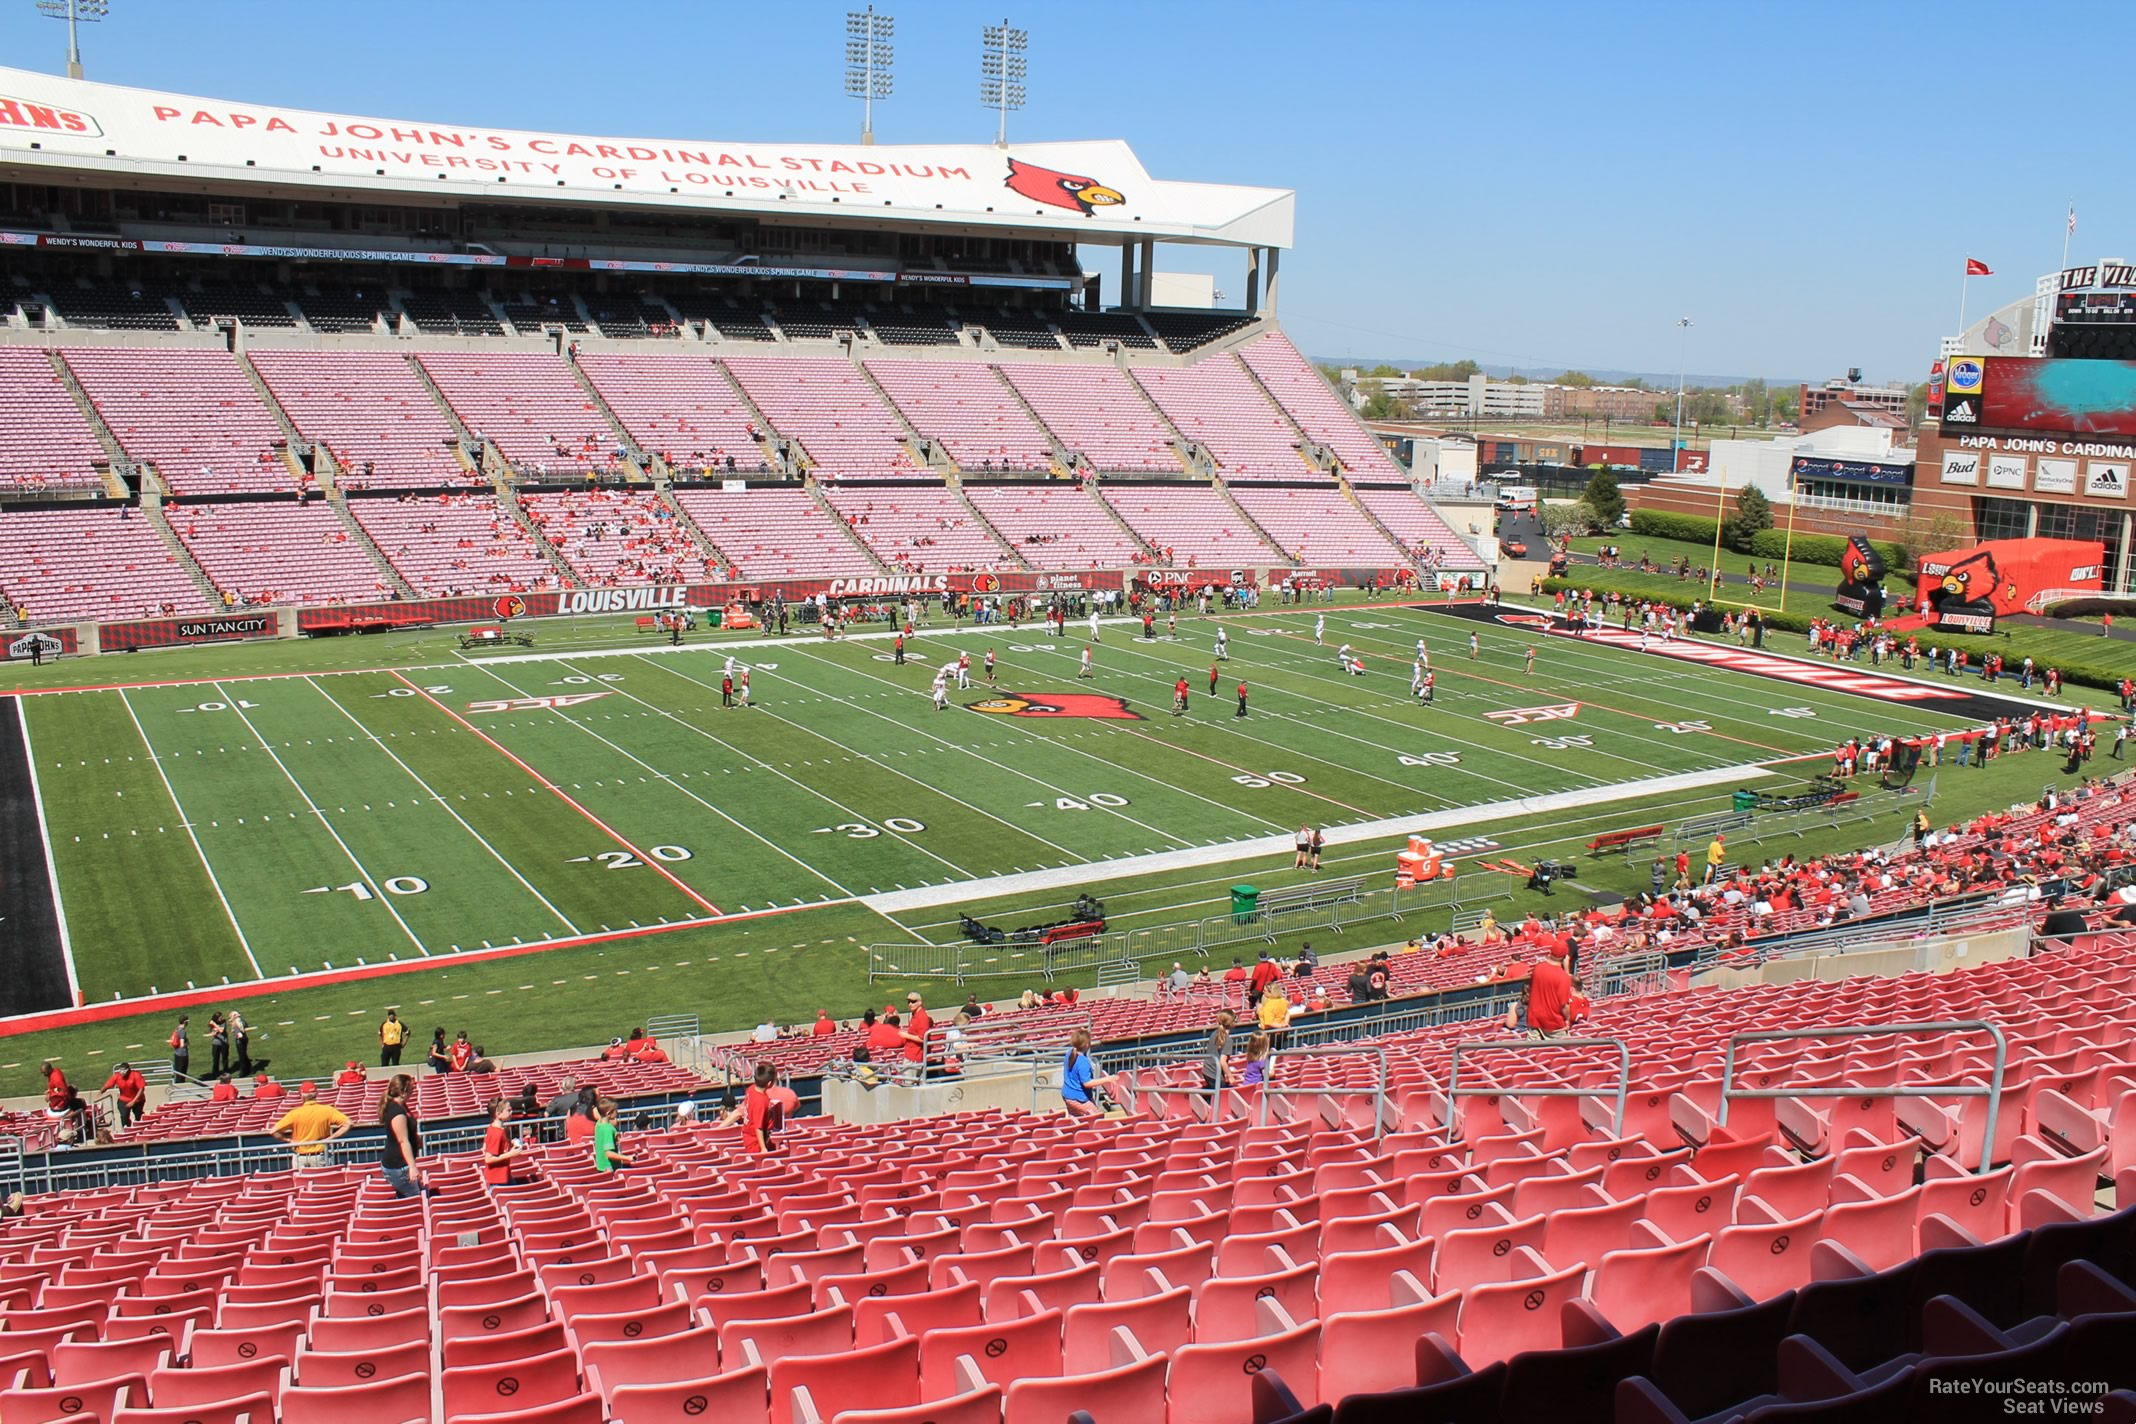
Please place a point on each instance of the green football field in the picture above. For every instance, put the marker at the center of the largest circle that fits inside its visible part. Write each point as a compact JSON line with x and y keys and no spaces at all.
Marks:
{"x":232,"y":829}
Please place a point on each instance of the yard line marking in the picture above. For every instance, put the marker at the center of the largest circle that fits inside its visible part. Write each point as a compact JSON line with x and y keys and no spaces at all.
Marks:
{"x":192,"y":835}
{"x":237,"y":706}
{"x":873,"y":760}
{"x":44,"y":838}
{"x":1064,"y":877}
{"x":561,"y":917}
{"x":676,"y":785}
{"x":1031,"y":739}
{"x":1219,"y":761}
{"x":816,"y":792}
{"x":560,"y":795}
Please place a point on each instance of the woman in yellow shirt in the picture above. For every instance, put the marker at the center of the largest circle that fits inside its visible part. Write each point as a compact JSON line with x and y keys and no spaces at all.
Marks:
{"x":1274,"y":1013}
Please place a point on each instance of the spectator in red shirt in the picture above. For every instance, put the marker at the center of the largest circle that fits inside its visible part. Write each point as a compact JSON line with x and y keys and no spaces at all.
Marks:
{"x":462,"y":1053}
{"x":886,"y":1041}
{"x":578,"y":1126}
{"x":57,"y":1090}
{"x":352,"y":1076}
{"x":759,"y":1113}
{"x":917,"y":1023}
{"x":1265,"y":973}
{"x":225,"y":1090}
{"x":1550,"y":991}
{"x":825,"y":1027}
{"x":132,"y":1091}
{"x":266,"y":1087}
{"x":499,"y":1151}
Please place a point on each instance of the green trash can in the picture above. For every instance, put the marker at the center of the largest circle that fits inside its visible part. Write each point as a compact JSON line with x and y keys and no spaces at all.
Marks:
{"x":1245,"y":903}
{"x":1745,"y":801}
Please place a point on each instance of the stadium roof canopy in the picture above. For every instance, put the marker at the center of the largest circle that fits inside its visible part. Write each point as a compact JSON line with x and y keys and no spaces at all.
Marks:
{"x":1097,"y":192}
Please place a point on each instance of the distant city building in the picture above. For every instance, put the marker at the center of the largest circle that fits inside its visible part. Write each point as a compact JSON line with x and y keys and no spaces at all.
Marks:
{"x":1478,"y":396}
{"x":1613,"y":402}
{"x":1817,"y":399}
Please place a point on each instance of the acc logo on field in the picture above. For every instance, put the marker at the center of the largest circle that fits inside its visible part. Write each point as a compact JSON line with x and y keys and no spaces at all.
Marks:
{"x":1521,"y":716}
{"x":1965,"y":374}
{"x":510,"y":606}
{"x":1058,"y":704}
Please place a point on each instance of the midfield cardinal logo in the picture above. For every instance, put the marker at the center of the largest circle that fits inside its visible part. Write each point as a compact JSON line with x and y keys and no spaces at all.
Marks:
{"x":1063,"y":190}
{"x":1057,"y":704}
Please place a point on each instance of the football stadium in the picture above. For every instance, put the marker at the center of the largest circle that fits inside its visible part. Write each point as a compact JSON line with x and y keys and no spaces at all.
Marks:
{"x":665,"y":779}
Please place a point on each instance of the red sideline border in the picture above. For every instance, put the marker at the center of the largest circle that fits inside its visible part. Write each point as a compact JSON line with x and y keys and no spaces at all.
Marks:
{"x":320,"y":978}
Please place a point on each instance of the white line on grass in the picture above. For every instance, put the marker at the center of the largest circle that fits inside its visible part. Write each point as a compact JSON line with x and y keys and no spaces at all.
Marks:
{"x":187,"y":821}
{"x":44,"y":838}
{"x":237,"y":706}
{"x":670,"y":781}
{"x":512,"y":870}
{"x":722,"y":743}
{"x":1034,"y":740}
{"x":879,"y":762}
{"x":1062,"y":877}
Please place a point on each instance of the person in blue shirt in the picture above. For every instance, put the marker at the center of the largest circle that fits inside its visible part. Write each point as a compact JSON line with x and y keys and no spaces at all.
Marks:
{"x":1079,"y":1076}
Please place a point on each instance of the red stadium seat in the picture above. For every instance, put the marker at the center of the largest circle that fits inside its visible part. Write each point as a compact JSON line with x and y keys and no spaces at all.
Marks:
{"x":515,"y":1385}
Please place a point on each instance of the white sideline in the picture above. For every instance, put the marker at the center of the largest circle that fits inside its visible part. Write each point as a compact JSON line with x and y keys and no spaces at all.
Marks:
{"x":929,"y":897}
{"x":44,"y":836}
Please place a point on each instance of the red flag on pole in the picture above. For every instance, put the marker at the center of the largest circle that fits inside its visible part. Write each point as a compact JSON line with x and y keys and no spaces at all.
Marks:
{"x":1974,"y":267}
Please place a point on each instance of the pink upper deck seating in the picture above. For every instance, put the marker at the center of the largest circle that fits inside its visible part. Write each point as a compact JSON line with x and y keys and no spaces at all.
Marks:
{"x":829,"y":407}
{"x":69,"y":564}
{"x":1319,"y":526}
{"x":683,"y":407}
{"x":1320,"y":412}
{"x":278,"y":552}
{"x":1418,"y":525}
{"x":612,"y":536}
{"x":45,"y":444}
{"x":1215,"y":403}
{"x":454,"y":544}
{"x":1098,"y":411}
{"x":371,"y":410}
{"x":528,"y":404}
{"x":775,"y":533}
{"x":192,"y":414}
{"x":919,"y":530}
{"x":1055,"y":526}
{"x":1194,"y":523}
{"x":969,"y":411}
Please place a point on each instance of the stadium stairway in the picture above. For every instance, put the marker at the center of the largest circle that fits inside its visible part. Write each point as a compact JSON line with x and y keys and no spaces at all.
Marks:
{"x":1231,"y":501}
{"x":1091,"y":487}
{"x":1342,"y":482}
{"x":696,"y":531}
{"x":1016,"y":560}
{"x":769,"y":436}
{"x":361,"y":538}
{"x":830,"y":511}
{"x":928,"y":454}
{"x":567,"y":576}
{"x":153,"y":511}
{"x":644,"y":465}
{"x":273,"y":404}
{"x":1062,"y":456}
{"x":113,"y":451}
{"x":493,"y":466}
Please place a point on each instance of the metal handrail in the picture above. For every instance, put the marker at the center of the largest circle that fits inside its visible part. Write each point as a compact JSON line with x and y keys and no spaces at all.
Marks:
{"x":1378,"y":1091}
{"x":1992,"y":1092}
{"x":1501,"y":1045}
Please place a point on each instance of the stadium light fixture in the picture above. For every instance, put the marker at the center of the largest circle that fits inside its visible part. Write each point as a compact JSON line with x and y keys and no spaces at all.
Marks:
{"x":1002,"y":72}
{"x":1683,"y":362}
{"x":74,"y":12}
{"x":868,"y":55}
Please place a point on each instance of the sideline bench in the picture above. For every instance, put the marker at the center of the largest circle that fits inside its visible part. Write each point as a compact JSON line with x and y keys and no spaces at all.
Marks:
{"x":1703,"y":828}
{"x":1627,"y":840}
{"x":494,"y":637}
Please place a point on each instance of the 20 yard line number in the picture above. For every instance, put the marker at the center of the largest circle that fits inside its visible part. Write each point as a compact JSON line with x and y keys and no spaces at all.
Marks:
{"x":624,"y":860}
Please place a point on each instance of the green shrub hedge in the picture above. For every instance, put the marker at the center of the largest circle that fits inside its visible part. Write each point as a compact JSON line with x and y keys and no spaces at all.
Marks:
{"x":1658,"y":524}
{"x":1829,"y":549}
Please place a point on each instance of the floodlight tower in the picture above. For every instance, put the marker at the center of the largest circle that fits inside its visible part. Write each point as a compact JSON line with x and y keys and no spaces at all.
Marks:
{"x":868,"y":57}
{"x":74,"y":12}
{"x":1001,"y":73}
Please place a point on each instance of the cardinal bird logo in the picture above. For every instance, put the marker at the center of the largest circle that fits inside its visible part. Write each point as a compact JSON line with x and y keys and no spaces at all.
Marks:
{"x":510,"y":606}
{"x":1058,"y":704}
{"x":986,"y":583}
{"x":1063,"y":190}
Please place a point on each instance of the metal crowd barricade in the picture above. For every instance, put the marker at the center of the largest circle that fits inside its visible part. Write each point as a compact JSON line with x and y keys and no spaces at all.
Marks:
{"x":1272,"y":1087}
{"x":1535,"y":1045}
{"x":1992,"y":1092}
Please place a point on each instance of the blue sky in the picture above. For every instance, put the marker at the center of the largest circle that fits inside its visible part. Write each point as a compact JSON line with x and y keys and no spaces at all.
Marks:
{"x":1531,"y":183}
